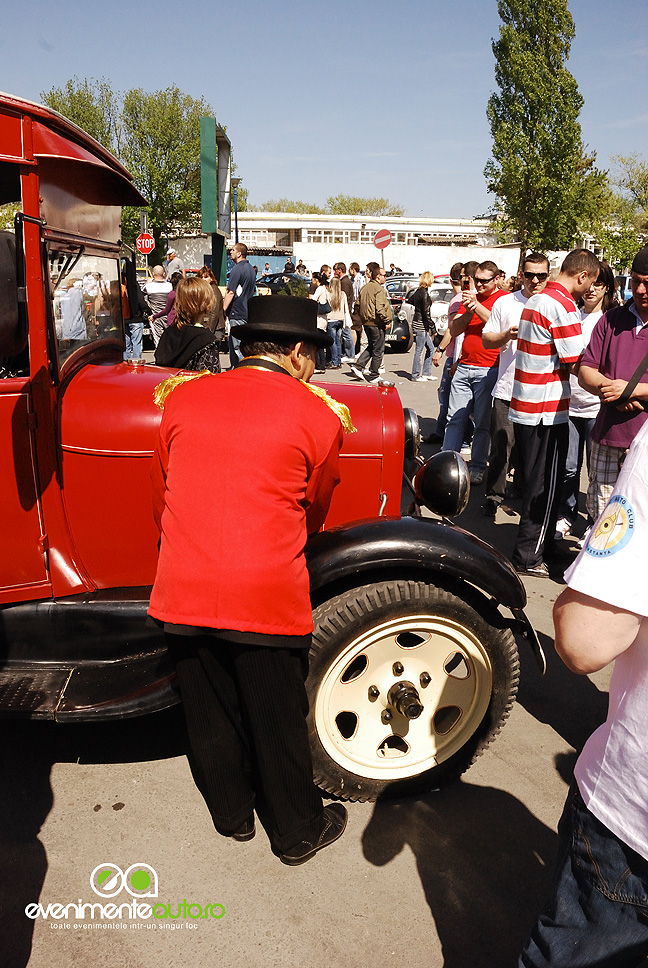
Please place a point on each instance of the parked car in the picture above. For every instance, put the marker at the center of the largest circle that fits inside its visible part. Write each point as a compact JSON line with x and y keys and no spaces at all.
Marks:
{"x":144,"y":275}
{"x":414,"y":664}
{"x":398,"y":286}
{"x":278,"y":281}
{"x":441,"y":296}
{"x":623,"y":287}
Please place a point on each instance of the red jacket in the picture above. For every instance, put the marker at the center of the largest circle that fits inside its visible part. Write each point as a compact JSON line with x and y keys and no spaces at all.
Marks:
{"x":245,"y":467}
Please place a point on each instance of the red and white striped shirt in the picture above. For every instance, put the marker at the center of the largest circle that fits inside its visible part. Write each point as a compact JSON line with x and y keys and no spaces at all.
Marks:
{"x":549,"y":339}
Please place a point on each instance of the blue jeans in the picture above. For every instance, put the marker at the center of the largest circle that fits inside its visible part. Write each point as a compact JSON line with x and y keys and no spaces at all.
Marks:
{"x":471,"y":384}
{"x":334,"y":330}
{"x":423,"y":342}
{"x":580,"y":444}
{"x":134,"y":333}
{"x":235,"y":354}
{"x":348,"y":343}
{"x":598,"y":914}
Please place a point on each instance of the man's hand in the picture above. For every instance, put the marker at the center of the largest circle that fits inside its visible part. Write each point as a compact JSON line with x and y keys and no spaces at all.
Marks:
{"x":469,"y":299}
{"x":436,"y":357}
{"x":611,"y":390}
{"x":631,"y":405}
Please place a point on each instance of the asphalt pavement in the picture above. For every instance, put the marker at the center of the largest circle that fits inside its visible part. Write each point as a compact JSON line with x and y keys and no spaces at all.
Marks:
{"x":452,"y":878}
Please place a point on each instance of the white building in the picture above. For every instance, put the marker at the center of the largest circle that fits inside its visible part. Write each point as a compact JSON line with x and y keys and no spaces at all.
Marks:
{"x":417,"y":243}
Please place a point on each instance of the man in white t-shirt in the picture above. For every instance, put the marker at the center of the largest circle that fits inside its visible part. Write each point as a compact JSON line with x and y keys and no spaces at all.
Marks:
{"x":501,"y":331}
{"x":598,"y":914}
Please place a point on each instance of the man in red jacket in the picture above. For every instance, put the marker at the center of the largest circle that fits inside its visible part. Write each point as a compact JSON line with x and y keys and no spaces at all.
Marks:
{"x":245,"y":467}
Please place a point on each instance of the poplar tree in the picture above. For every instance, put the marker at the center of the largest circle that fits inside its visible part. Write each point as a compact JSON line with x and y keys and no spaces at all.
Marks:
{"x":548,"y":189}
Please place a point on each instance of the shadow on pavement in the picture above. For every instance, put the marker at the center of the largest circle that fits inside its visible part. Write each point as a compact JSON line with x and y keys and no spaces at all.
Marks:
{"x":27,"y":753}
{"x":572,"y":705}
{"x":25,"y":800}
{"x":485,"y":865}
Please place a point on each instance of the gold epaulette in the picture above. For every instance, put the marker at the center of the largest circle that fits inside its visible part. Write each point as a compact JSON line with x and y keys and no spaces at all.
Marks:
{"x":338,"y":408}
{"x":163,"y":389}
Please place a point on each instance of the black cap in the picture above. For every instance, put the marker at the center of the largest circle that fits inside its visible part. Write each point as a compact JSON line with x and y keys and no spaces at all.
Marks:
{"x":640,"y":262}
{"x":280,"y":318}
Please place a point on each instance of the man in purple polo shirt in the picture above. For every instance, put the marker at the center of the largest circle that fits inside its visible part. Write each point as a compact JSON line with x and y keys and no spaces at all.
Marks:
{"x":618,"y":345}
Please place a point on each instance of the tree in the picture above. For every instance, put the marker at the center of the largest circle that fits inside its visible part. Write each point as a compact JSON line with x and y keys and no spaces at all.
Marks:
{"x":539,"y":170}
{"x":156,"y":136}
{"x":354,"y":205}
{"x":90,"y":104}
{"x":161,"y":149}
{"x":286,"y":205}
{"x":7,"y":215}
{"x":631,"y":177}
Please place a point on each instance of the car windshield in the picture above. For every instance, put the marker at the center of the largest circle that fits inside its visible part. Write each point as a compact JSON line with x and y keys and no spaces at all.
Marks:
{"x":441,"y":293}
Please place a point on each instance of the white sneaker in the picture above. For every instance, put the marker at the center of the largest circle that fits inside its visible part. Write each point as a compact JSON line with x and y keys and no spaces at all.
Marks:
{"x":466,"y":451}
{"x":431,"y":379}
{"x":563,"y":527}
{"x":583,"y":540}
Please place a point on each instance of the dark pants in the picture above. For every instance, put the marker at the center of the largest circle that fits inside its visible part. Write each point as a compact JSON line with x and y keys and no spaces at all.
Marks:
{"x":375,"y":351}
{"x":502,"y":440}
{"x":542,"y":452}
{"x":598,"y":914}
{"x":245,"y":708}
{"x":580,"y":445}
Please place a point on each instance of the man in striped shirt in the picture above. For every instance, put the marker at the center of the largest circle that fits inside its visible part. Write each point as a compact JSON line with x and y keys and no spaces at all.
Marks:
{"x":549,"y":346}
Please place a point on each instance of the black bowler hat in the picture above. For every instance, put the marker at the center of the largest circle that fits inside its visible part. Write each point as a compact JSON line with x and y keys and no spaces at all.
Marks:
{"x":275,"y":319}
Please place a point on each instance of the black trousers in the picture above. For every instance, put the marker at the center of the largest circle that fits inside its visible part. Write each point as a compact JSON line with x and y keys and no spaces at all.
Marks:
{"x":502,"y":439}
{"x":375,"y":351}
{"x":542,"y":454}
{"x":245,"y":708}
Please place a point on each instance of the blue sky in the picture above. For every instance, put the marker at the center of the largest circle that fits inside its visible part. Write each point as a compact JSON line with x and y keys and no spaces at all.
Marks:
{"x":364,"y":97}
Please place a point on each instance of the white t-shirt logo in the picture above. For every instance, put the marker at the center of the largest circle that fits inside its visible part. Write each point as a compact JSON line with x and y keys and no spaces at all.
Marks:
{"x":613,"y":529}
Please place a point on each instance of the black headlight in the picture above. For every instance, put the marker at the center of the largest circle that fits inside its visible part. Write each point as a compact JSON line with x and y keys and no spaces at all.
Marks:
{"x":412,"y":433}
{"x":442,"y":484}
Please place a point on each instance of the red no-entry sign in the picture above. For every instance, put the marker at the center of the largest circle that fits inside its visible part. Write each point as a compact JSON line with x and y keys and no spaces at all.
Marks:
{"x":382,"y":239}
{"x":145,"y":243}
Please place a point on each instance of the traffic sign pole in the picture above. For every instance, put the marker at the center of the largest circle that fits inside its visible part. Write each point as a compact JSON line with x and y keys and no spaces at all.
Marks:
{"x":382,"y":239}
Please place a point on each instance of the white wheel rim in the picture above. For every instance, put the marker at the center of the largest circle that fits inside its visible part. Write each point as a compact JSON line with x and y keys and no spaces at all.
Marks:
{"x":403,"y":748}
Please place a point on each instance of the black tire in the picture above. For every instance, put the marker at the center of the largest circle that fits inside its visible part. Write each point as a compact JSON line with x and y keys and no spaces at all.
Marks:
{"x":462,"y":643}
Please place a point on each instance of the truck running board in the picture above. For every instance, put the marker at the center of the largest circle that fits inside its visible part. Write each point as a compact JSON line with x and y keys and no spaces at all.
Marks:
{"x":32,"y":692}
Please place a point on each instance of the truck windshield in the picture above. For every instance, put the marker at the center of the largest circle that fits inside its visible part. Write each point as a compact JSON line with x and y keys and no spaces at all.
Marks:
{"x":86,"y":298}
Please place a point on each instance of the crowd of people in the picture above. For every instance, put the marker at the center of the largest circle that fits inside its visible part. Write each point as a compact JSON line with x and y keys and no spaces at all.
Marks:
{"x":539,"y":376}
{"x":510,"y":403}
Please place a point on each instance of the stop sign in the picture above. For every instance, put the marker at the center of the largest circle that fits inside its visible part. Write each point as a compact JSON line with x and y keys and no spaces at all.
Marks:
{"x":145,"y":243}
{"x":382,"y":239}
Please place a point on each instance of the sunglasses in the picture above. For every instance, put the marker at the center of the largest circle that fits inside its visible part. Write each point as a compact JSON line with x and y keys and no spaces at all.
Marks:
{"x":484,"y":282}
{"x":540,"y":276}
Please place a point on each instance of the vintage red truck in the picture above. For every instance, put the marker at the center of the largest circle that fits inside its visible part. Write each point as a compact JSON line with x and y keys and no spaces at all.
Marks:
{"x":414,"y":664}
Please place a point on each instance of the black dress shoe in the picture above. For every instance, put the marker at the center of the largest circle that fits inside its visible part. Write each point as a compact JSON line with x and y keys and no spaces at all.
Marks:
{"x":490,"y":507}
{"x":246,"y":831}
{"x":536,"y":571}
{"x":556,"y":551}
{"x":333,"y":824}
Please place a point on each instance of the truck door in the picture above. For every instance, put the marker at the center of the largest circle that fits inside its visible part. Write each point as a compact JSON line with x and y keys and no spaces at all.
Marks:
{"x":23,"y":571}
{"x":23,"y":555}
